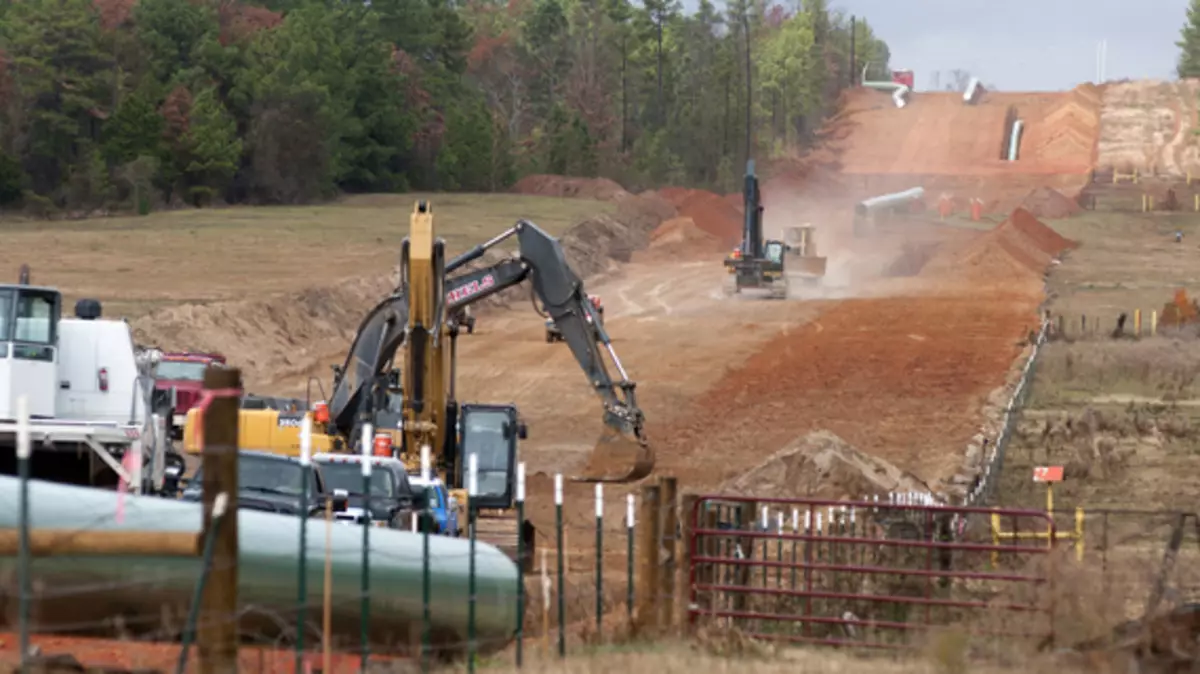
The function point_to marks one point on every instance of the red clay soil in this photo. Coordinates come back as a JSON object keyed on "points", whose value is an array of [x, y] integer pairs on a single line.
{"points": [[100, 653], [714, 215], [681, 236], [1044, 237], [901, 378], [936, 134], [1047, 202], [1011, 258]]}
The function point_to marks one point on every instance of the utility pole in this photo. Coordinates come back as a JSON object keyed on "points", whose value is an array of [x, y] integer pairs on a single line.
{"points": [[853, 52], [218, 632], [749, 90]]}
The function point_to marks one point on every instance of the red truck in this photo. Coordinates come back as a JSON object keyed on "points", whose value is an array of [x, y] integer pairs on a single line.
{"points": [[181, 376]]}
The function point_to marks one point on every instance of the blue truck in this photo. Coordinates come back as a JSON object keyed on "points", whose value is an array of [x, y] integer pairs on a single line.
{"points": [[445, 509]]}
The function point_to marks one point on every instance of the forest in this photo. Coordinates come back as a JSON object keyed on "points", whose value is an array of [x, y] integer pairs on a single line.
{"points": [[144, 104]]}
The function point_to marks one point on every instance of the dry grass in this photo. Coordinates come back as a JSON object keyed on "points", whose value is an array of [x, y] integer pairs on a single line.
{"points": [[135, 264], [1162, 368], [1127, 261]]}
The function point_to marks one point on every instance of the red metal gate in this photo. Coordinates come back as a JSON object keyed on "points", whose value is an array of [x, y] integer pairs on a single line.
{"points": [[864, 574]]}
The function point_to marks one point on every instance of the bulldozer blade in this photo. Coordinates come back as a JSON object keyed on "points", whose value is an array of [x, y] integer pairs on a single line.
{"points": [[813, 266], [615, 452]]}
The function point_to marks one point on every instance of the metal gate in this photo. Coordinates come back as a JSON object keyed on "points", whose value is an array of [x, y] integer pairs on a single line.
{"points": [[865, 574]]}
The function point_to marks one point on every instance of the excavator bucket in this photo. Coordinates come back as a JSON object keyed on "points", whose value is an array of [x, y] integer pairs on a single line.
{"points": [[618, 458]]}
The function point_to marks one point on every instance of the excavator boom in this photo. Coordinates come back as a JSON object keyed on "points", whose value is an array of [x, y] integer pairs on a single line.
{"points": [[542, 260], [416, 312]]}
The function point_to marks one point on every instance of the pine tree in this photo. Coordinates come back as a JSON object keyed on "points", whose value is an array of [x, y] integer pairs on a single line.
{"points": [[1189, 45]]}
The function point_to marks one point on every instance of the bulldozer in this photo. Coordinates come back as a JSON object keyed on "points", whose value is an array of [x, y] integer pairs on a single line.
{"points": [[415, 328], [801, 245]]}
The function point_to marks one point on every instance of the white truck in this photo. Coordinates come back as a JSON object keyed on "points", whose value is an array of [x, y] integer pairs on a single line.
{"points": [[89, 391]]}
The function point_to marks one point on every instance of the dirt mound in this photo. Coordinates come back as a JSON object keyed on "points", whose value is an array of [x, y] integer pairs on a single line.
{"points": [[545, 185], [713, 214], [675, 195], [913, 257], [269, 338], [1019, 249], [276, 338], [822, 465], [1047, 202], [681, 236], [1050, 241]]}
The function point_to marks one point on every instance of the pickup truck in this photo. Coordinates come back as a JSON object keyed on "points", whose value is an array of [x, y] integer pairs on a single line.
{"points": [[445, 509], [179, 376], [271, 483], [392, 499]]}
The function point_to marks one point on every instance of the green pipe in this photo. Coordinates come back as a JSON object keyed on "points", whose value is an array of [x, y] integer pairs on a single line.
{"points": [[268, 575]]}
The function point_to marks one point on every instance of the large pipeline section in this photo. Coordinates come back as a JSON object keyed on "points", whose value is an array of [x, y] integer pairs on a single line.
{"points": [[1014, 143], [151, 594], [867, 210], [884, 201]]}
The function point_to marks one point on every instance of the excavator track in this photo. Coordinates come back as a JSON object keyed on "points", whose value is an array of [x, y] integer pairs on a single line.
{"points": [[501, 529], [613, 451]]}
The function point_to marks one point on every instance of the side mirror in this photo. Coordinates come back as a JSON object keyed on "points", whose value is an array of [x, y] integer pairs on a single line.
{"points": [[340, 499], [522, 430]]}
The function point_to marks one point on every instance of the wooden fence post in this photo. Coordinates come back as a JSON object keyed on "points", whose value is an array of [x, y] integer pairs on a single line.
{"points": [[669, 512], [649, 536], [218, 628], [684, 587]]}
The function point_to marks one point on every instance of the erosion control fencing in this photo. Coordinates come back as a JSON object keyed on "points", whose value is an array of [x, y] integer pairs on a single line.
{"points": [[982, 491], [863, 574]]}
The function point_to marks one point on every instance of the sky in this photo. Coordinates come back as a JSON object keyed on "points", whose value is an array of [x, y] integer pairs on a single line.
{"points": [[1025, 45]]}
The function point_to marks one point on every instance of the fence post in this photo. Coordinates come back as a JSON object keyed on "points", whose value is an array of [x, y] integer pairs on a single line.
{"points": [[599, 562], [558, 526], [521, 552], [670, 538], [368, 435], [629, 526], [24, 458], [218, 633], [302, 561], [686, 525], [648, 556]]}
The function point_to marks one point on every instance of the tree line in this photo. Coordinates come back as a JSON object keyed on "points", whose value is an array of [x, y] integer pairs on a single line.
{"points": [[140, 103]]}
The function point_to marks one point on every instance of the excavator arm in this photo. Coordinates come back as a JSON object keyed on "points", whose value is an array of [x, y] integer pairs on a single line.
{"points": [[542, 261], [409, 316]]}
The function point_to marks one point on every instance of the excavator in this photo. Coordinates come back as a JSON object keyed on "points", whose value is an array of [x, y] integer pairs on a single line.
{"points": [[762, 265], [416, 328]]}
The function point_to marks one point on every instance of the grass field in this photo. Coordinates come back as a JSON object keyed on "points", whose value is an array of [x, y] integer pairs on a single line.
{"points": [[134, 264], [1122, 416]]}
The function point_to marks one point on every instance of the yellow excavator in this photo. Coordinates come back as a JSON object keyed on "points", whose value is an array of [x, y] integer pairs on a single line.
{"points": [[416, 328]]}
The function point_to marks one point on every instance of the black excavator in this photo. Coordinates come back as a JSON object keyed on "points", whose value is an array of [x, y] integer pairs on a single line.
{"points": [[756, 264], [417, 323]]}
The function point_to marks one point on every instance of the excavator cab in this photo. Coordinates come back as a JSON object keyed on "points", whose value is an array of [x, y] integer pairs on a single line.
{"points": [[490, 432]]}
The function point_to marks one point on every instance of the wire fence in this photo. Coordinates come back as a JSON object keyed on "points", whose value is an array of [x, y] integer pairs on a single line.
{"points": [[984, 488]]}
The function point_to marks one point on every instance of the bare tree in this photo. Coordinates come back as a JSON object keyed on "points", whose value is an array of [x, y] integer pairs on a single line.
{"points": [[957, 80]]}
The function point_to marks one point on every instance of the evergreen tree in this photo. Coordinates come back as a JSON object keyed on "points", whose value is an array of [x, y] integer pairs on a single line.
{"points": [[1189, 43]]}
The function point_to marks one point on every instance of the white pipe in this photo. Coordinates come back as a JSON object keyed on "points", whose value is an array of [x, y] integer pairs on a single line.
{"points": [[972, 89], [1014, 143]]}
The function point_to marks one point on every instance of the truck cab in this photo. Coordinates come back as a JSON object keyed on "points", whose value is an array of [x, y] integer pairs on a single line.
{"points": [[180, 379], [87, 386]]}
